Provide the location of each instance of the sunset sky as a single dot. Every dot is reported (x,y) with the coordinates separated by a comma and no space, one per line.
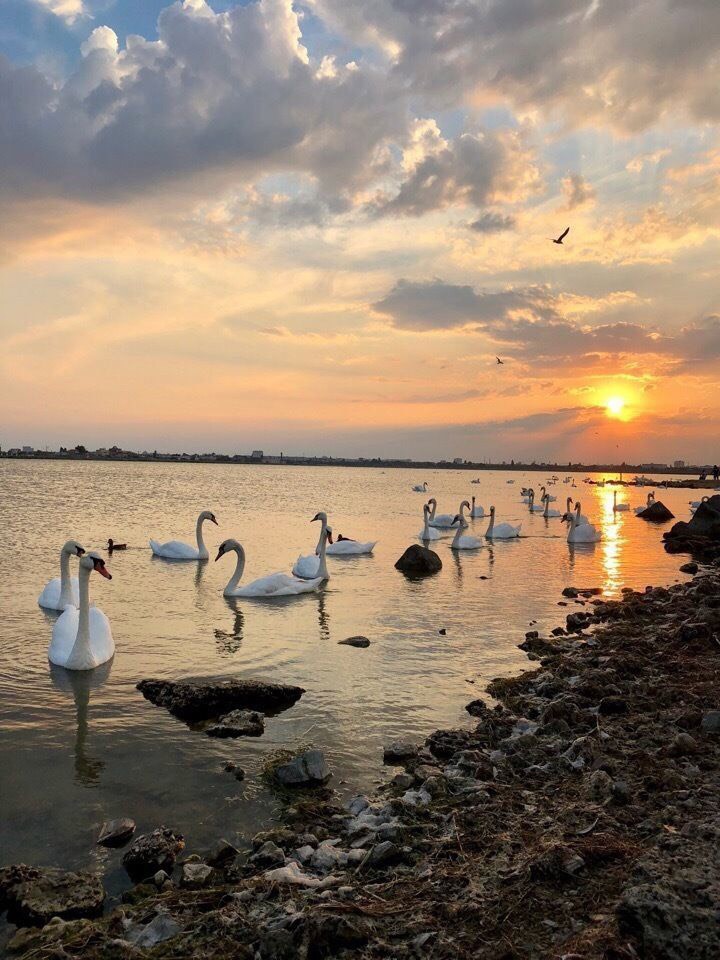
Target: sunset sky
(313,226)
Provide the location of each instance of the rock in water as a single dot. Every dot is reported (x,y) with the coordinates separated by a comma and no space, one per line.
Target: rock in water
(307,770)
(418,561)
(34,895)
(152,852)
(657,512)
(116,833)
(399,752)
(238,723)
(196,700)
(355,642)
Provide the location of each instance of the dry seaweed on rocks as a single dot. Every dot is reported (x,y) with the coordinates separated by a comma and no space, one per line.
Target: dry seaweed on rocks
(577,818)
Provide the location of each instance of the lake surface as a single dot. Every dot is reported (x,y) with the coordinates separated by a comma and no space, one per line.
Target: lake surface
(76,749)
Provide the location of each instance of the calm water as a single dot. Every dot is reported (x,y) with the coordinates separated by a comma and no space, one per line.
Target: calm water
(77,749)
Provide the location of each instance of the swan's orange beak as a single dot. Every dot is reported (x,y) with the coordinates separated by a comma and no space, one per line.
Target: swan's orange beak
(102,570)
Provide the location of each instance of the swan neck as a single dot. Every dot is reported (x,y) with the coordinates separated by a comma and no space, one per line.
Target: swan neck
(65,586)
(81,657)
(237,575)
(322,570)
(322,538)
(202,549)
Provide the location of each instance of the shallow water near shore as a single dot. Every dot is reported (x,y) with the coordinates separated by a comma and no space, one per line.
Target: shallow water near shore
(76,749)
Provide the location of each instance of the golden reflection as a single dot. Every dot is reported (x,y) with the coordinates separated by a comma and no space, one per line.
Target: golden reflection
(323,618)
(612,524)
(79,683)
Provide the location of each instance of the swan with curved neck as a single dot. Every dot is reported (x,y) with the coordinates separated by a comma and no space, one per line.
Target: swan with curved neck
(265,588)
(619,507)
(544,493)
(177,550)
(420,487)
(501,531)
(583,532)
(477,513)
(534,507)
(579,517)
(63,591)
(441,520)
(462,541)
(547,512)
(428,532)
(82,638)
(315,565)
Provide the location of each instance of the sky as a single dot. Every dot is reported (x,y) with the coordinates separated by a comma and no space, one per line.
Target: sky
(313,227)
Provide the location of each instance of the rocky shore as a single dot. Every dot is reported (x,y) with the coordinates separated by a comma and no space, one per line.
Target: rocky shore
(578,818)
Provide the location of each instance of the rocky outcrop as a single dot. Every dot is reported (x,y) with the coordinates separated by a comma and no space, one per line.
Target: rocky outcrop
(198,700)
(355,642)
(238,723)
(657,512)
(32,896)
(418,561)
(307,770)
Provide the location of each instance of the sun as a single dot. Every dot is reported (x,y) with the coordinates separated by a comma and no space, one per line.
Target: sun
(615,406)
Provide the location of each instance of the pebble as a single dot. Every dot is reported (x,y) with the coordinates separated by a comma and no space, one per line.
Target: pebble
(683,745)
(115,833)
(711,722)
(399,752)
(269,855)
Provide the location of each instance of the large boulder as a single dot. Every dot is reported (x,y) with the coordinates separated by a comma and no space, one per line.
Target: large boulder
(152,852)
(705,522)
(197,700)
(657,512)
(32,896)
(418,561)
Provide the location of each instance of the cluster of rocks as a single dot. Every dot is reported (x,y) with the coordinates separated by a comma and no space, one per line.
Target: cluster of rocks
(700,536)
(577,817)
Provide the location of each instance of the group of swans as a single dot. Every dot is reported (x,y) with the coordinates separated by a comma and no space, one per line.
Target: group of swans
(434,523)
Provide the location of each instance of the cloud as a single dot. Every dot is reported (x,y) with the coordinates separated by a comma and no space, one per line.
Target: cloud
(491,222)
(627,65)
(215,98)
(68,10)
(474,169)
(436,305)
(577,191)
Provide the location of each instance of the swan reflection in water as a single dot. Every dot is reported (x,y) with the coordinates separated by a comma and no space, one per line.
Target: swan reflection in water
(323,618)
(230,641)
(79,684)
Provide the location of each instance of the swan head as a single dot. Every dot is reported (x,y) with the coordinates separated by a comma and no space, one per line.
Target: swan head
(465,504)
(73,548)
(322,517)
(432,501)
(93,561)
(208,515)
(228,546)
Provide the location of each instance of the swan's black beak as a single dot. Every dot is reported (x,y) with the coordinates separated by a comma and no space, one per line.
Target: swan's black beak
(79,551)
(214,520)
(316,517)
(221,552)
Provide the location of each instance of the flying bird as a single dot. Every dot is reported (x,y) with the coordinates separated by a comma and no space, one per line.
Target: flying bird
(499,360)
(562,236)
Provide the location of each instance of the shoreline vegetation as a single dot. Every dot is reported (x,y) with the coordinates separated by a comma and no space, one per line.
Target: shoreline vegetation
(115,454)
(577,818)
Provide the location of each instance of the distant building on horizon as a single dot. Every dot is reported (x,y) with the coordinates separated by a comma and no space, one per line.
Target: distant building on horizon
(680,464)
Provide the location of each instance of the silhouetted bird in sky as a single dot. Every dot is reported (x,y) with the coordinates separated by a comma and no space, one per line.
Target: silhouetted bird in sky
(499,360)
(562,236)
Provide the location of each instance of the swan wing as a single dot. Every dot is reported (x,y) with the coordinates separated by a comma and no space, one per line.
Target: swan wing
(101,638)
(50,597)
(347,548)
(174,550)
(278,585)
(306,567)
(63,636)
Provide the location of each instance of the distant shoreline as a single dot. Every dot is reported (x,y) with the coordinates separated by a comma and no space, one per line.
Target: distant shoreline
(377,462)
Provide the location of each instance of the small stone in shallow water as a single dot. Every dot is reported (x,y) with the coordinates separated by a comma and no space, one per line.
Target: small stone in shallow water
(152,852)
(222,854)
(442,631)
(115,833)
(354,642)
(690,567)
(399,752)
(310,769)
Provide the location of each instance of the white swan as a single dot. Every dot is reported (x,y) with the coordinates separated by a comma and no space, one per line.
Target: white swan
(82,638)
(420,487)
(428,532)
(534,507)
(543,493)
(525,494)
(462,541)
(62,591)
(643,507)
(315,565)
(547,512)
(350,548)
(477,513)
(619,507)
(582,533)
(579,517)
(177,550)
(503,531)
(266,588)
(442,520)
